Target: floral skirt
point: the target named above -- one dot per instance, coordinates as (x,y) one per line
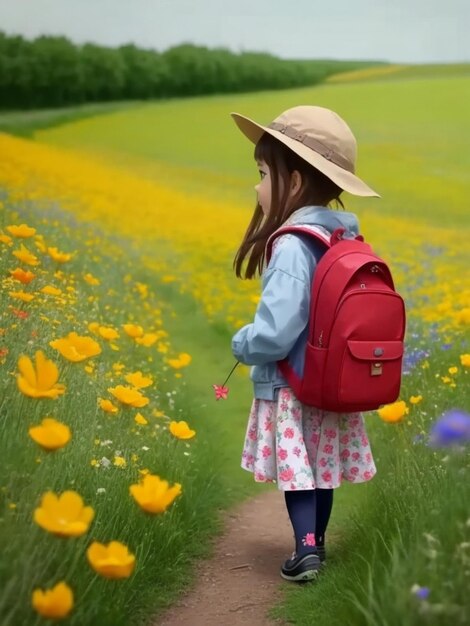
(301,447)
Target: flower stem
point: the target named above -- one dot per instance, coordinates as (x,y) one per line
(231,372)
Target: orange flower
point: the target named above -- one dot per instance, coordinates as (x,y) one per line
(129,395)
(181,430)
(183,360)
(133,330)
(50,290)
(54,603)
(140,419)
(5,239)
(60,257)
(111,561)
(107,332)
(21,231)
(139,381)
(25,256)
(22,276)
(90,279)
(51,434)
(153,494)
(75,347)
(465,360)
(108,406)
(64,515)
(394,412)
(147,340)
(39,381)
(21,295)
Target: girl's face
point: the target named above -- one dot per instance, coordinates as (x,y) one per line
(263,188)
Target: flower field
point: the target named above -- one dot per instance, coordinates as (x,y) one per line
(102,233)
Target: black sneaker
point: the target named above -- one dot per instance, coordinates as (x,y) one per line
(301,568)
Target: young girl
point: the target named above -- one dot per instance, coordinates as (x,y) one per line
(306,158)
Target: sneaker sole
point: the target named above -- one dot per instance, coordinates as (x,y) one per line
(302,577)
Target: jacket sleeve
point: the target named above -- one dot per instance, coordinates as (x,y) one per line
(281,316)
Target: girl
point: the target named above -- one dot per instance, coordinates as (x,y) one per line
(306,158)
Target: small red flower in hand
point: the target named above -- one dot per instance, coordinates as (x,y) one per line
(221,392)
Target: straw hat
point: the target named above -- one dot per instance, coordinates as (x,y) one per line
(320,137)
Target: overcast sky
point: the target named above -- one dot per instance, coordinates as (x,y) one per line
(393,30)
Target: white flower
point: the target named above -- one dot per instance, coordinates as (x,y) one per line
(106,463)
(100,490)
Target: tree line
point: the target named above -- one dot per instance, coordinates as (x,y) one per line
(51,71)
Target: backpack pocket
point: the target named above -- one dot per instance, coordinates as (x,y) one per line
(370,374)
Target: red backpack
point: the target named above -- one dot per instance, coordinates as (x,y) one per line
(353,357)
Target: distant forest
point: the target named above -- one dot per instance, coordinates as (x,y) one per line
(54,72)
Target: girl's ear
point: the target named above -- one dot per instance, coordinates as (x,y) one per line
(295,182)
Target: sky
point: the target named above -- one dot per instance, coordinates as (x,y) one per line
(414,31)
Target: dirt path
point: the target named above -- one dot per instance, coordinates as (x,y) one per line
(241,581)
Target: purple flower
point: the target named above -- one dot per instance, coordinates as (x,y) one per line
(453,427)
(421,592)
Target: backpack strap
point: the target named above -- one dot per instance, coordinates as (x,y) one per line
(315,231)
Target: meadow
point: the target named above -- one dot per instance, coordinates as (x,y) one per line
(138,197)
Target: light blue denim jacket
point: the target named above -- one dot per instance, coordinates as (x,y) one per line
(280,326)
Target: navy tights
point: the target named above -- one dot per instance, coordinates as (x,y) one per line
(309,511)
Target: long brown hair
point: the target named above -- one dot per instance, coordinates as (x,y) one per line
(316,189)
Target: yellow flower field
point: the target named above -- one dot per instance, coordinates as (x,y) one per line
(431,266)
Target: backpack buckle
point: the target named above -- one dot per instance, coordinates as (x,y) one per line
(376,369)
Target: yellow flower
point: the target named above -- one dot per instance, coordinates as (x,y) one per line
(416,399)
(22,276)
(108,406)
(90,279)
(147,340)
(153,494)
(51,434)
(39,381)
(182,360)
(394,412)
(465,360)
(119,461)
(129,395)
(446,380)
(54,603)
(75,347)
(117,367)
(21,295)
(138,380)
(25,256)
(21,231)
(140,419)
(60,257)
(111,561)
(64,515)
(93,327)
(133,330)
(181,430)
(5,239)
(51,291)
(108,333)
(453,370)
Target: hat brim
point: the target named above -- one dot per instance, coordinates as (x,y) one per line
(344,179)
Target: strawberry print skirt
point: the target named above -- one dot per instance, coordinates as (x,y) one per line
(301,447)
